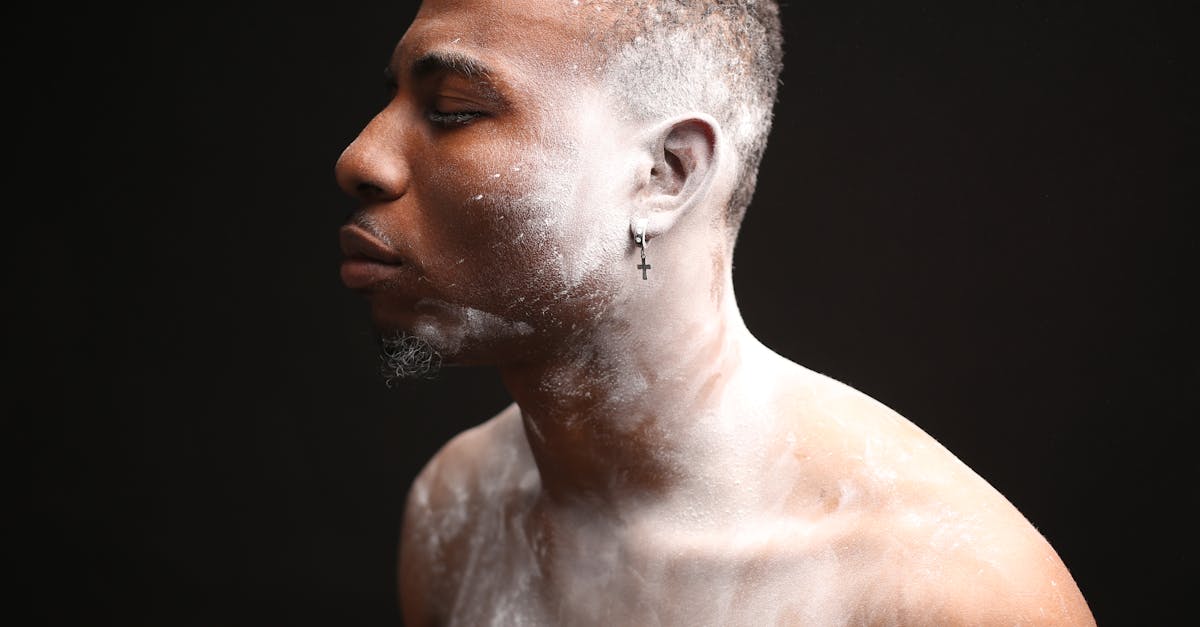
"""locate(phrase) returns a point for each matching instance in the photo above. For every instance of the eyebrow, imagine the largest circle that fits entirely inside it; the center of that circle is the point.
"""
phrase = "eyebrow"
(438, 62)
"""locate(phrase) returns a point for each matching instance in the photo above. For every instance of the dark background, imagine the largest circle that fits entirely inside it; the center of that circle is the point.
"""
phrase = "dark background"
(976, 215)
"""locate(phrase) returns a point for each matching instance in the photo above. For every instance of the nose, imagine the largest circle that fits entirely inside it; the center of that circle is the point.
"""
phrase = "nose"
(372, 168)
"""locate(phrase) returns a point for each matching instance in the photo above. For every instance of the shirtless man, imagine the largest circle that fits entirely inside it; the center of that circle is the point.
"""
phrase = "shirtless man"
(554, 189)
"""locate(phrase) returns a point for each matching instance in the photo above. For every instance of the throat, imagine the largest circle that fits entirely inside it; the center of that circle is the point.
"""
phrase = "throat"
(618, 427)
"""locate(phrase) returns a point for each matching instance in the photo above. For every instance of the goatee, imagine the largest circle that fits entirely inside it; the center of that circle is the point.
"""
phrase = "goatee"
(403, 355)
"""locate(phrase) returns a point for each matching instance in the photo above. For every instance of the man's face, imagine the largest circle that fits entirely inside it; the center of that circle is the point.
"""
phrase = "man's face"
(495, 185)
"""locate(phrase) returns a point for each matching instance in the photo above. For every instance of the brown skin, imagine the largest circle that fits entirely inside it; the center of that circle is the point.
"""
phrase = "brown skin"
(659, 466)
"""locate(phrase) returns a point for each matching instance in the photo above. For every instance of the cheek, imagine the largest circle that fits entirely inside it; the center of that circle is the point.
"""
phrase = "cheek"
(464, 207)
(483, 207)
(528, 234)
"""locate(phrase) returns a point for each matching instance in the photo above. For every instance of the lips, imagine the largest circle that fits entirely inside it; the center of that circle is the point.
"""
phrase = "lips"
(368, 260)
(358, 243)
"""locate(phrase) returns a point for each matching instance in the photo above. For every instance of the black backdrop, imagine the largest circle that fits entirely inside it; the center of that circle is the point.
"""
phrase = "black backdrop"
(976, 215)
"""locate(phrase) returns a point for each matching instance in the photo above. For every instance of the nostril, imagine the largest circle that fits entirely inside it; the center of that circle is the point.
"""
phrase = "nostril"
(368, 191)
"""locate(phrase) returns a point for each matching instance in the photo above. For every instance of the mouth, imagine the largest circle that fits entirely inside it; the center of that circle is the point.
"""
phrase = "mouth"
(368, 260)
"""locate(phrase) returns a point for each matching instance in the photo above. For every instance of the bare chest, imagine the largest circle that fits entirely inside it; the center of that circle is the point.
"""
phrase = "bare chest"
(600, 576)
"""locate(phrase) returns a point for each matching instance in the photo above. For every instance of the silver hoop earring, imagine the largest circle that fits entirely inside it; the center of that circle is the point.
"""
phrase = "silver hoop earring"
(639, 237)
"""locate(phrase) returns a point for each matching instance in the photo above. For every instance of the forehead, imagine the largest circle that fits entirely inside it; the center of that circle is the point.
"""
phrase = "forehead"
(525, 36)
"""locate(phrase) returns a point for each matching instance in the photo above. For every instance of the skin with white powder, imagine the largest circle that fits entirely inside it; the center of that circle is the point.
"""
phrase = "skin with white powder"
(659, 466)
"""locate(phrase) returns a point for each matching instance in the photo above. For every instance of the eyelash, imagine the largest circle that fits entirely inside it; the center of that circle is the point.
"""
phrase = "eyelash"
(438, 118)
(450, 120)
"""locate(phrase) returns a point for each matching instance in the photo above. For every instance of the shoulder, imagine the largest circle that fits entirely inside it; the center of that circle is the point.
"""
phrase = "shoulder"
(944, 546)
(950, 564)
(481, 468)
(479, 461)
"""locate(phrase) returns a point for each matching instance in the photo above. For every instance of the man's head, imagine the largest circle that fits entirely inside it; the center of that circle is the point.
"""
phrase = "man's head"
(523, 139)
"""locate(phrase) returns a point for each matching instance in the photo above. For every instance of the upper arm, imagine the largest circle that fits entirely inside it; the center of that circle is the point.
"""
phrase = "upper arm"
(418, 553)
(1031, 591)
(436, 514)
(441, 510)
(989, 606)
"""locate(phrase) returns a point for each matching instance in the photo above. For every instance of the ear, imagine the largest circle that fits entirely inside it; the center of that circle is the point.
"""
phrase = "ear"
(683, 165)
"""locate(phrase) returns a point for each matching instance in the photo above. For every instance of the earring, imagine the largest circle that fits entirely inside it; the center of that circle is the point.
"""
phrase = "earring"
(639, 238)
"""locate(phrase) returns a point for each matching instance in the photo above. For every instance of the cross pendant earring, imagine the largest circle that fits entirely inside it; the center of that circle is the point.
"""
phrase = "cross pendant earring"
(639, 237)
(644, 266)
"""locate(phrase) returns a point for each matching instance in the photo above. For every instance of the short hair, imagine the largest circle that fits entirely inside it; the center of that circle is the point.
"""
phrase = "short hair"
(721, 57)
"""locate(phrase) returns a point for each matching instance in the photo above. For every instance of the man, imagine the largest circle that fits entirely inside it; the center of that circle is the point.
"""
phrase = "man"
(554, 189)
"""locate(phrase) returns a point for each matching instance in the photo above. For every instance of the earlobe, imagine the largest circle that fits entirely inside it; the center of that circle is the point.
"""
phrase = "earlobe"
(684, 166)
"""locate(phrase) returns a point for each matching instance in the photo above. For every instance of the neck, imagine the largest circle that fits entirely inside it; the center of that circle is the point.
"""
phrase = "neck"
(646, 414)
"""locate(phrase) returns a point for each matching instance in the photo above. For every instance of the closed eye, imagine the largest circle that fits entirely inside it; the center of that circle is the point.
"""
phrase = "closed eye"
(450, 110)
(447, 119)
